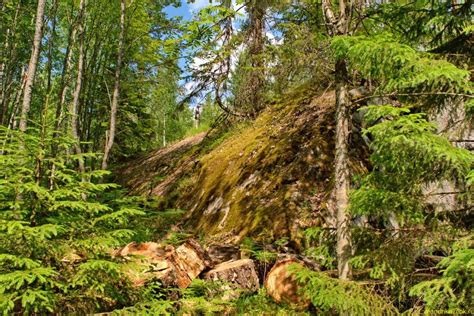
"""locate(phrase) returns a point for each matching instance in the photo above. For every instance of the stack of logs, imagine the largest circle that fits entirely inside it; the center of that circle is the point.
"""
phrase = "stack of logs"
(178, 266)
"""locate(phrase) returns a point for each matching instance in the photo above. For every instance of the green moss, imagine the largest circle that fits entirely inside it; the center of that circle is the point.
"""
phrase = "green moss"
(252, 170)
(255, 178)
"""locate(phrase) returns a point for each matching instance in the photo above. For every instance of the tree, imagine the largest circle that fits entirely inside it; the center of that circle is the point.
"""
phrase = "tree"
(77, 91)
(256, 77)
(30, 75)
(340, 26)
(116, 94)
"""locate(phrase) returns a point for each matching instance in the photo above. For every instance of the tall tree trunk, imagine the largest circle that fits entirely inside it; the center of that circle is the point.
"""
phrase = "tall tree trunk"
(16, 103)
(164, 130)
(52, 36)
(339, 26)
(77, 91)
(30, 75)
(257, 75)
(5, 73)
(64, 85)
(341, 173)
(116, 94)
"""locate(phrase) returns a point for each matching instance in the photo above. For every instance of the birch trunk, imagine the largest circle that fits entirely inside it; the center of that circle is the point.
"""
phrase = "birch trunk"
(30, 75)
(116, 94)
(77, 91)
(5, 78)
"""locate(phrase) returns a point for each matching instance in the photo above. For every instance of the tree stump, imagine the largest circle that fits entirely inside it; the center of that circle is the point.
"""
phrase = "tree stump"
(282, 286)
(239, 273)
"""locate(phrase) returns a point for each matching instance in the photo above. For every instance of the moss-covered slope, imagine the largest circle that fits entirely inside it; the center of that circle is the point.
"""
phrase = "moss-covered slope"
(270, 178)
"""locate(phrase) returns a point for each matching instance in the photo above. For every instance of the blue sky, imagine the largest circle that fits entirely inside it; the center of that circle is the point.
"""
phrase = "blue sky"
(186, 9)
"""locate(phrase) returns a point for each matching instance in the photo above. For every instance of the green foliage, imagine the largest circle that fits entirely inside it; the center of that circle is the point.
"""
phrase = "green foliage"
(262, 304)
(453, 290)
(255, 251)
(320, 246)
(400, 68)
(56, 234)
(343, 297)
(430, 24)
(406, 155)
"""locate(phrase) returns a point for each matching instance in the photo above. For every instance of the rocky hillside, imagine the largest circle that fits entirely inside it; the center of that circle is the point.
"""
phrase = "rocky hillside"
(270, 179)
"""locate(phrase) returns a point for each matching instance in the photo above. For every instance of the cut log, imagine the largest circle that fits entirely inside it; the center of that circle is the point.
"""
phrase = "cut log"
(147, 261)
(240, 274)
(172, 266)
(189, 260)
(220, 253)
(282, 286)
(150, 250)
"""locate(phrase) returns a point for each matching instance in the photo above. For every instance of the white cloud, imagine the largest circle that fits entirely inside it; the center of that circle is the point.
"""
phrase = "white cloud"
(198, 5)
(273, 39)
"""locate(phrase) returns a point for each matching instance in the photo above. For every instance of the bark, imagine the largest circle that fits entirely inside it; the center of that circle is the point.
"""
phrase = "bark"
(30, 75)
(223, 252)
(52, 37)
(5, 73)
(257, 76)
(116, 94)
(342, 174)
(4, 48)
(16, 104)
(77, 91)
(173, 266)
(340, 26)
(65, 75)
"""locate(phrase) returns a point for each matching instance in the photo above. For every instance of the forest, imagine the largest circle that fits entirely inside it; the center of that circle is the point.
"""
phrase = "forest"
(236, 157)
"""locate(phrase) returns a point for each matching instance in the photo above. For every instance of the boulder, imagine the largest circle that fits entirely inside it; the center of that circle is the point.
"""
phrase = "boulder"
(282, 285)
(240, 274)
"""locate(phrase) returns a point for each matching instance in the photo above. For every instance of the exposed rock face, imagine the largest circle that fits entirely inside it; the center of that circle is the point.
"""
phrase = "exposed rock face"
(282, 286)
(268, 180)
(453, 123)
(239, 274)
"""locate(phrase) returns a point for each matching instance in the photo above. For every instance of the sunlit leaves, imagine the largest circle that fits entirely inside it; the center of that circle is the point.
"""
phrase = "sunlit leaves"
(406, 155)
